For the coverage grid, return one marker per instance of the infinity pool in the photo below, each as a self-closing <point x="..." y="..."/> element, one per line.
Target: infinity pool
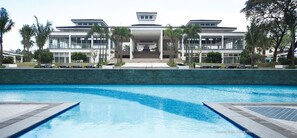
<point x="141" y="111"/>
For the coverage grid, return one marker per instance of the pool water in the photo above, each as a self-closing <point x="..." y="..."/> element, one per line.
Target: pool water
<point x="141" y="111"/>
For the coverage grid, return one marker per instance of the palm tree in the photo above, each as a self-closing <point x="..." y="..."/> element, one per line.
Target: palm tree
<point x="174" y="35"/>
<point x="27" y="32"/>
<point x="103" y="32"/>
<point x="252" y="39"/>
<point x="190" y="32"/>
<point x="107" y="36"/>
<point x="5" y="25"/>
<point x="119" y="35"/>
<point x="42" y="33"/>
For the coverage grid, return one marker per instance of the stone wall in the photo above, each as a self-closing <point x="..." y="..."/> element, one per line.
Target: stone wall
<point x="148" y="76"/>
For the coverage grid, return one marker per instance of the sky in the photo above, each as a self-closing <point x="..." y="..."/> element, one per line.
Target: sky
<point x="119" y="13"/>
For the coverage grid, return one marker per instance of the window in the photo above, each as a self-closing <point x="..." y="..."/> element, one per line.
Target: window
<point x="79" y="23"/>
<point x="142" y="17"/>
<point x="85" y="24"/>
<point x="151" y="17"/>
<point x="91" y="24"/>
<point x="146" y="17"/>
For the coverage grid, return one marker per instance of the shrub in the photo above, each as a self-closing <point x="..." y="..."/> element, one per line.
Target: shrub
<point x="271" y="64"/>
<point x="120" y="64"/>
<point x="79" y="56"/>
<point x="46" y="56"/>
<point x="28" y="56"/>
<point x="171" y="64"/>
<point x="285" y="61"/>
<point x="214" y="57"/>
<point x="8" y="60"/>
<point x="245" y="57"/>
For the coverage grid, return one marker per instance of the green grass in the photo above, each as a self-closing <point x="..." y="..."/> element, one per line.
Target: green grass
<point x="27" y="64"/>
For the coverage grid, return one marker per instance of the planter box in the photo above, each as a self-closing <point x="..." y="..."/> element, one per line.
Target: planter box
<point x="182" y="66"/>
<point x="107" y="66"/>
<point x="10" y="65"/>
<point x="280" y="66"/>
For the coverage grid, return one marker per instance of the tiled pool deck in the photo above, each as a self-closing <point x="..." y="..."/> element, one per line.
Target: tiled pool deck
<point x="273" y="120"/>
<point x="17" y="118"/>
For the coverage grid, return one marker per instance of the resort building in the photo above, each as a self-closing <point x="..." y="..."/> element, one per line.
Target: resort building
<point x="148" y="41"/>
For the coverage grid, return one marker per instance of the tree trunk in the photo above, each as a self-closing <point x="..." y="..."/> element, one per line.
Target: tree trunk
<point x="117" y="52"/>
<point x="292" y="48"/>
<point x="170" y="51"/>
<point x="100" y="56"/>
<point x="39" y="57"/>
<point x="105" y="53"/>
<point x="290" y="53"/>
<point x="253" y="56"/>
<point x="1" y="49"/>
<point x="189" y="56"/>
<point x="120" y="51"/>
<point x="186" y="51"/>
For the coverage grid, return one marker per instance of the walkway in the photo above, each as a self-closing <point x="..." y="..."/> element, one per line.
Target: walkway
<point x="267" y="120"/>
<point x="18" y="118"/>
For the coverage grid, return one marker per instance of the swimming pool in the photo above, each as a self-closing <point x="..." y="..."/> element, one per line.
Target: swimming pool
<point x="142" y="110"/>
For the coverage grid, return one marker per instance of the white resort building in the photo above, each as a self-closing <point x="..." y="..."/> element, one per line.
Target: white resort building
<point x="149" y="41"/>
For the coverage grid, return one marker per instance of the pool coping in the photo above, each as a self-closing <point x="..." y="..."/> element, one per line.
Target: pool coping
<point x="22" y="123"/>
<point x="251" y="123"/>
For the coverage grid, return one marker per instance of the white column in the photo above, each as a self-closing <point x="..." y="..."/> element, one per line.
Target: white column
<point x="183" y="50"/>
<point x="161" y="45"/>
<point x="200" y="47"/>
<point x="14" y="59"/>
<point x="92" y="41"/>
<point x="69" y="57"/>
<point x="222" y="41"/>
<point x="131" y="49"/>
<point x="108" y="49"/>
<point x="22" y="59"/>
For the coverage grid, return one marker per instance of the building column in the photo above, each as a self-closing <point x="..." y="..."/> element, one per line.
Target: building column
<point x="161" y="44"/>
<point x="92" y="41"/>
<point x="69" y="56"/>
<point x="131" y="49"/>
<point x="22" y="59"/>
<point x="14" y="59"/>
<point x="200" y="48"/>
<point x="223" y="42"/>
<point x="108" y="49"/>
<point x="183" y="50"/>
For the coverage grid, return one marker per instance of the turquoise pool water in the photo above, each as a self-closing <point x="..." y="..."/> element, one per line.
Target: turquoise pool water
<point x="142" y="111"/>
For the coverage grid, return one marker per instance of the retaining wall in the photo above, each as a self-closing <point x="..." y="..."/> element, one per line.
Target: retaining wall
<point x="148" y="76"/>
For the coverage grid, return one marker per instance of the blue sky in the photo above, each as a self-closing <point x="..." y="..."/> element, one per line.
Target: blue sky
<point x="119" y="12"/>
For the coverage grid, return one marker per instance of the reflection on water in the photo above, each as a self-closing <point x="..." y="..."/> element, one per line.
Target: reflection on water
<point x="139" y="111"/>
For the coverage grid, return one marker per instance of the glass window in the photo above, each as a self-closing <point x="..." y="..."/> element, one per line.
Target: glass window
<point x="146" y="17"/>
<point x="79" y="23"/>
<point x="151" y="17"/>
<point x="85" y="24"/>
<point x="233" y="42"/>
<point x="142" y="17"/>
